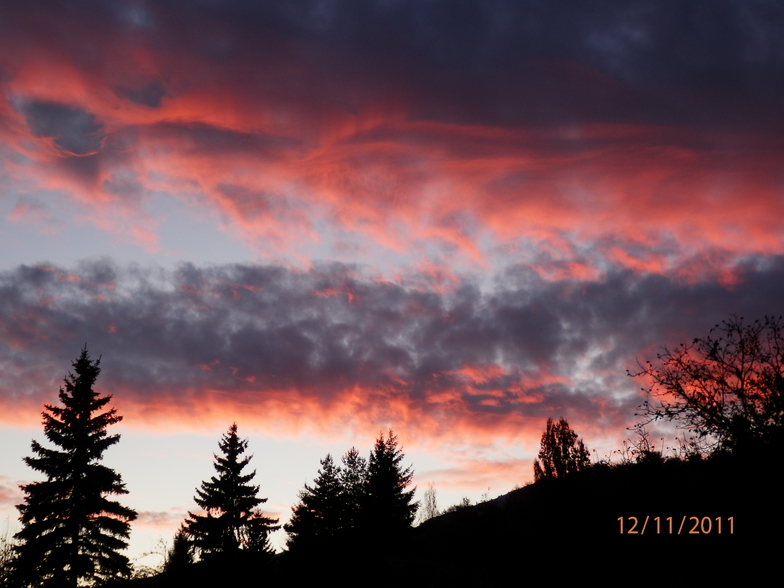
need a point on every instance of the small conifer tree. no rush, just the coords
(72, 533)
(353, 482)
(180, 555)
(233, 522)
(318, 519)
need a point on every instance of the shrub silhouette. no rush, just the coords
(561, 452)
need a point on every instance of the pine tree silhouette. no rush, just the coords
(318, 520)
(180, 555)
(71, 531)
(353, 482)
(233, 522)
(387, 507)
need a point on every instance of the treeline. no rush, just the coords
(346, 507)
(358, 503)
(73, 532)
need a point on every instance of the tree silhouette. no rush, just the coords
(561, 452)
(353, 482)
(319, 517)
(7, 557)
(180, 555)
(71, 531)
(429, 508)
(233, 522)
(387, 507)
(727, 387)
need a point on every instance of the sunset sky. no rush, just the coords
(322, 219)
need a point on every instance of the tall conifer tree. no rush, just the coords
(233, 522)
(387, 507)
(72, 533)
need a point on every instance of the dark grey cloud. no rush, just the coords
(509, 62)
(206, 138)
(150, 94)
(705, 63)
(73, 129)
(250, 329)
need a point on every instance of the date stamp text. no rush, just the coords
(684, 525)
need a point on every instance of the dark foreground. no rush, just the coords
(682, 521)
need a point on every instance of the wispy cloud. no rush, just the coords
(435, 132)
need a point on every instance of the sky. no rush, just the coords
(324, 219)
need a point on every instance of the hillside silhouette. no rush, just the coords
(565, 528)
(570, 526)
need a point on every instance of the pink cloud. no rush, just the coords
(275, 166)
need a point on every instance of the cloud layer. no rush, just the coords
(296, 350)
